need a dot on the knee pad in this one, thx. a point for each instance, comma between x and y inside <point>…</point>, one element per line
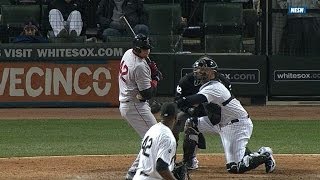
<point>191,128</point>
<point>191,122</point>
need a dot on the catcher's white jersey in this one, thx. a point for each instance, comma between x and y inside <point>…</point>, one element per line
<point>158,142</point>
<point>134,76</point>
<point>217,93</point>
<point>235,127</point>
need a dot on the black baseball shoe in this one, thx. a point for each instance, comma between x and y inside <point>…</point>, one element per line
<point>270,163</point>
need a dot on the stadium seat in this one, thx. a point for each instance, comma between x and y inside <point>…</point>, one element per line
<point>250,18</point>
<point>166,43</point>
<point>223,43</point>
<point>16,15</point>
<point>170,15</point>
<point>5,2</point>
<point>223,18</point>
<point>13,18</point>
<point>164,32</point>
<point>120,39</point>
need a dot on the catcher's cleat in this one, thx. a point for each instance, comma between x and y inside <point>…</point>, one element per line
<point>194,164</point>
<point>129,175</point>
<point>270,163</point>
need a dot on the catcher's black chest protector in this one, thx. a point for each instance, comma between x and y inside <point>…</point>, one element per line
<point>214,110</point>
<point>187,86</point>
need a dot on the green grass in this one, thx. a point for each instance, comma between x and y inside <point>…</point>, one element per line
<point>78,137</point>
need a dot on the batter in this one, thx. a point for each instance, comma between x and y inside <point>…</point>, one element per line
<point>137,81</point>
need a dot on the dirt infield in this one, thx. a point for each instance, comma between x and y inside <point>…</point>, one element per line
<point>114,167</point>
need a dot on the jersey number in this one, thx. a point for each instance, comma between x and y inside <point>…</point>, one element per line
<point>123,71</point>
<point>147,143</point>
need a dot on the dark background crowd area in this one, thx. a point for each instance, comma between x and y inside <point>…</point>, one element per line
<point>215,26</point>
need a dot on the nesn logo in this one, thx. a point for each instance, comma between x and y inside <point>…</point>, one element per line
<point>297,10</point>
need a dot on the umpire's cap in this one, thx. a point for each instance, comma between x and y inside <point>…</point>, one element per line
<point>141,41</point>
<point>169,109</point>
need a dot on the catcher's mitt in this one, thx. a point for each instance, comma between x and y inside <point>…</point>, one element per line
<point>155,107</point>
<point>180,171</point>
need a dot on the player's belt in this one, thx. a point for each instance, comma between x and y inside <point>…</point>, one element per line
<point>143,173</point>
<point>235,120</point>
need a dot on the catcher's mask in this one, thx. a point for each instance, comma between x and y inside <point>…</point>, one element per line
<point>141,41</point>
<point>202,70</point>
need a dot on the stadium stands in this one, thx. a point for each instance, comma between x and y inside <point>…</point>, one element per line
<point>14,16</point>
<point>223,27</point>
<point>165,32</point>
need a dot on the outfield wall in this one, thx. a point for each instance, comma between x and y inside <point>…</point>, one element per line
<point>85,75</point>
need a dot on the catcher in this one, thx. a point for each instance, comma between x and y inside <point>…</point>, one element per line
<point>187,120</point>
<point>226,112</point>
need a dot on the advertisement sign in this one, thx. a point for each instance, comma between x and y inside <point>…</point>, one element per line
<point>66,83</point>
<point>247,73</point>
<point>62,51</point>
<point>294,76</point>
<point>235,76</point>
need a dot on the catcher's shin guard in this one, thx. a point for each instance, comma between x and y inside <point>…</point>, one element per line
<point>180,124</point>
<point>201,142</point>
<point>189,144</point>
<point>248,162</point>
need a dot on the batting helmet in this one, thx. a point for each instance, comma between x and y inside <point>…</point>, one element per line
<point>141,41</point>
<point>202,68</point>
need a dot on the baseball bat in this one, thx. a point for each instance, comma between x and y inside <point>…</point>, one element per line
<point>128,24</point>
<point>134,34</point>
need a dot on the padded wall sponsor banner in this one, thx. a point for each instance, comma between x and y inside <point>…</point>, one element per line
<point>60,52</point>
<point>65,82</point>
<point>236,76</point>
<point>297,75</point>
<point>247,73</point>
<point>294,76</point>
<point>56,51</point>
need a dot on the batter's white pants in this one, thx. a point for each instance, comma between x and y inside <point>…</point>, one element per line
<point>74,21</point>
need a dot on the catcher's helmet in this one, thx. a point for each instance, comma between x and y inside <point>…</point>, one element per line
<point>201,69</point>
<point>141,41</point>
